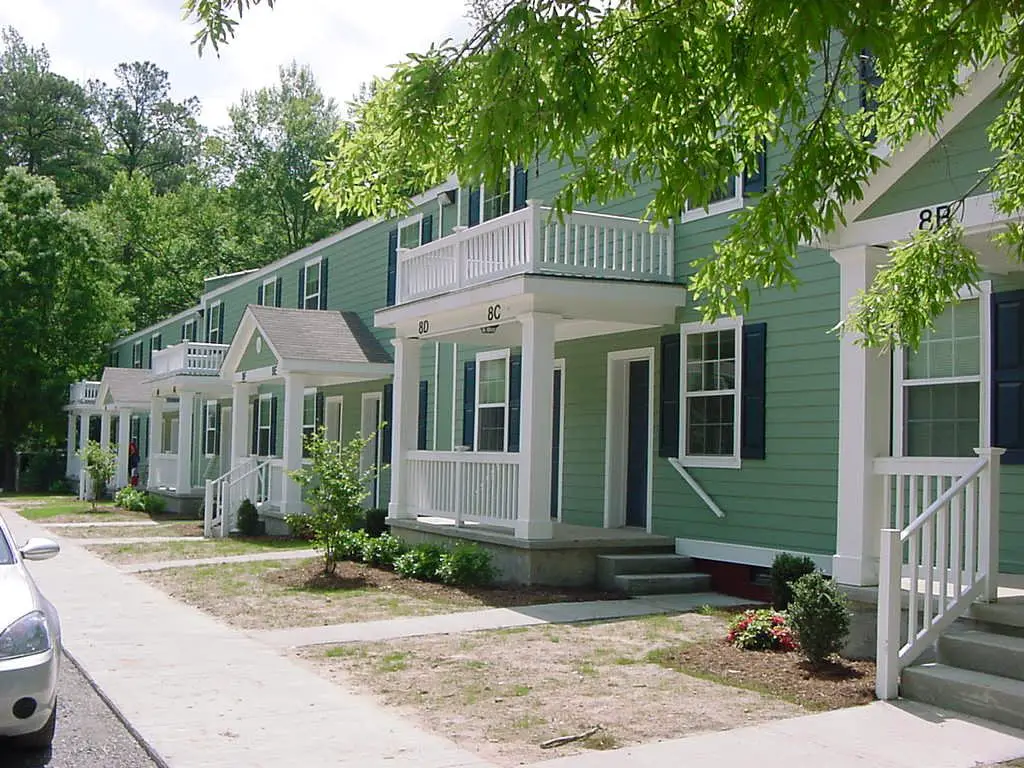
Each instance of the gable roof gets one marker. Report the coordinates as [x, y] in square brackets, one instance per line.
[125, 387]
[313, 334]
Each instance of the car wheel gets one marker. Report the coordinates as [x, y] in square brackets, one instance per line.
[42, 738]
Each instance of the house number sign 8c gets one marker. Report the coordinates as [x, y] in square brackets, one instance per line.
[493, 313]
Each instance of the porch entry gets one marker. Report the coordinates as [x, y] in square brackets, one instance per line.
[629, 439]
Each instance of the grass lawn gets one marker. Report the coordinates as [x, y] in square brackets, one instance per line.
[67, 509]
[155, 551]
[504, 692]
[183, 528]
[270, 595]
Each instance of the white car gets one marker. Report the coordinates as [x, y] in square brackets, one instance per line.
[29, 646]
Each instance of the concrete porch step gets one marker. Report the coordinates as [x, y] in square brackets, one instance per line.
[610, 566]
[1005, 616]
[662, 583]
[989, 652]
[991, 697]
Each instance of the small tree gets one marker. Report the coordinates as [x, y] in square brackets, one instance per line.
[100, 464]
[335, 488]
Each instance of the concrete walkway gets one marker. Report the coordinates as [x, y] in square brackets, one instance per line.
[270, 554]
[204, 695]
[491, 618]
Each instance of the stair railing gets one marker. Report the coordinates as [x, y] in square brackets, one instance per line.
[250, 479]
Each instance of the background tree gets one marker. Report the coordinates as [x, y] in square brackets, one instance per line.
[58, 303]
[268, 153]
[44, 126]
[682, 93]
[144, 129]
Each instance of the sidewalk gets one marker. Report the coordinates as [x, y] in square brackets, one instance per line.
[204, 695]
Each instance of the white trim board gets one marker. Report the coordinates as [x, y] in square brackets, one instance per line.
[744, 554]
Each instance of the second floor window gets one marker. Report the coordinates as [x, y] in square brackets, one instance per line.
[215, 327]
[137, 354]
[311, 280]
[270, 292]
[188, 330]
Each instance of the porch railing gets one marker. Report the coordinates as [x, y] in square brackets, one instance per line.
[464, 486]
[533, 240]
[942, 546]
[250, 479]
[163, 470]
[84, 392]
[189, 358]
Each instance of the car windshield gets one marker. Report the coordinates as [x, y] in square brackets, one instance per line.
[6, 556]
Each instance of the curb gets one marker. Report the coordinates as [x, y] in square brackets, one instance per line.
[146, 746]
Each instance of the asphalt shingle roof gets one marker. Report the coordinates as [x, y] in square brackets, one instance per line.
[127, 385]
[310, 334]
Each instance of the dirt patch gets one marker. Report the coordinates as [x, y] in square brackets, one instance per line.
[157, 551]
[272, 595]
[184, 528]
[502, 693]
[786, 675]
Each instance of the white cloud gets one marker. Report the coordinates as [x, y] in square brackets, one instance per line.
[345, 43]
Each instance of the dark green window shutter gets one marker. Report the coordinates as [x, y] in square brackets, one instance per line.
[469, 403]
[386, 409]
[217, 435]
[318, 405]
[300, 302]
[255, 426]
[273, 425]
[519, 188]
[474, 206]
[756, 178]
[209, 321]
[392, 266]
[1008, 375]
[752, 391]
[668, 413]
[427, 229]
[220, 325]
[515, 394]
[183, 334]
[277, 292]
[421, 422]
[323, 283]
[259, 294]
[149, 353]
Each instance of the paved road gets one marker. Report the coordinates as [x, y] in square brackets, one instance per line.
[88, 733]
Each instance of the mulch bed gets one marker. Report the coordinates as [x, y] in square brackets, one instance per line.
[361, 576]
[786, 675]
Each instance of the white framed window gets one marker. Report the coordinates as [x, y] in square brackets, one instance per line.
[264, 424]
[210, 428]
[410, 232]
[311, 285]
[941, 390]
[216, 311]
[310, 417]
[492, 390]
[728, 198]
[270, 292]
[711, 358]
[137, 354]
[188, 330]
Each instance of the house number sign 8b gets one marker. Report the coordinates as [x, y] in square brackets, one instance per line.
[932, 218]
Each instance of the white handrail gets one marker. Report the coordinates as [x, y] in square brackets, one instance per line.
[224, 494]
[947, 555]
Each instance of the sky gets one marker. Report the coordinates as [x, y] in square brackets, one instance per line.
[346, 42]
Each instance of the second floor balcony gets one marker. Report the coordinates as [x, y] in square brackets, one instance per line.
[189, 358]
[84, 393]
[534, 240]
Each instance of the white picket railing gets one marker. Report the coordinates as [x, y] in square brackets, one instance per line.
[163, 470]
[190, 358]
[84, 392]
[534, 240]
[464, 485]
[942, 547]
[250, 479]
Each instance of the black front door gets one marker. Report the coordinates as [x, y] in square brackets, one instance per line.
[637, 440]
[556, 442]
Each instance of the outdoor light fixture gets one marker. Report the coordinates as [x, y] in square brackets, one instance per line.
[489, 329]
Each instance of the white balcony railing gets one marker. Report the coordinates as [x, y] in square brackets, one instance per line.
[464, 486]
[189, 358]
[84, 392]
[533, 240]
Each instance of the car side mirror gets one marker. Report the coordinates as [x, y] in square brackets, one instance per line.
[39, 549]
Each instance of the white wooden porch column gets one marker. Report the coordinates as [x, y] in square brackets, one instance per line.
[83, 439]
[240, 426]
[70, 465]
[863, 432]
[534, 520]
[404, 413]
[105, 429]
[183, 473]
[153, 443]
[124, 422]
[291, 496]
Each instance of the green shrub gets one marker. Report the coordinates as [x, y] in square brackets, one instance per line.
[786, 569]
[153, 504]
[131, 499]
[382, 550]
[819, 617]
[351, 545]
[763, 630]
[248, 519]
[466, 565]
[421, 562]
[300, 527]
[374, 524]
